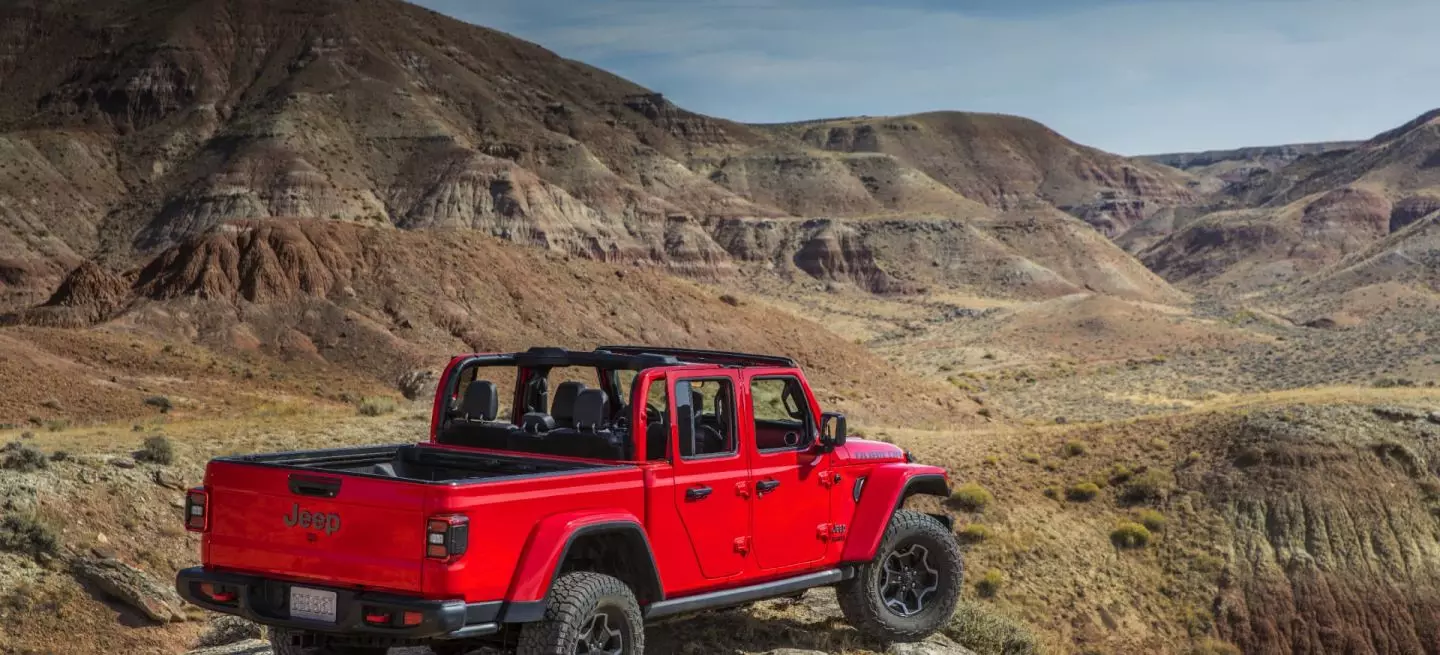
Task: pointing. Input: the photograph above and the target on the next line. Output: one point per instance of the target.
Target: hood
(867, 451)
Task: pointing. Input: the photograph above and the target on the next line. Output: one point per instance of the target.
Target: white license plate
(312, 604)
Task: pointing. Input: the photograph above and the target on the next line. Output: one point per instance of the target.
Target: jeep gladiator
(683, 481)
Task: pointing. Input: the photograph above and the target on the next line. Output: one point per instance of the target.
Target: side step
(743, 595)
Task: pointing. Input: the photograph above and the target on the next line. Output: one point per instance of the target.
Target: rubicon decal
(319, 521)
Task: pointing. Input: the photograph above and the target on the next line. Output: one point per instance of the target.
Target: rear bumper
(265, 601)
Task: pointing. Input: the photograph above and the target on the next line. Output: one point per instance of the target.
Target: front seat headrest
(482, 401)
(563, 407)
(590, 409)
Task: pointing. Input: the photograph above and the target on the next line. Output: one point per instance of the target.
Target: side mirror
(832, 430)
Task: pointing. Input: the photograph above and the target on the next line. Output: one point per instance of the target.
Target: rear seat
(476, 427)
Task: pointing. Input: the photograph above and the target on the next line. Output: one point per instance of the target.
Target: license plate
(312, 604)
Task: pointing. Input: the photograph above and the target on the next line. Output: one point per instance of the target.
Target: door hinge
(831, 531)
(742, 545)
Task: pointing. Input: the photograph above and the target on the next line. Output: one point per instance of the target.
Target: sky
(1128, 76)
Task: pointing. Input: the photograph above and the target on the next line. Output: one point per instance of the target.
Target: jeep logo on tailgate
(327, 523)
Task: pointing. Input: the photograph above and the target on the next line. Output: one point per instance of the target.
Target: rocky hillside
(1337, 209)
(384, 303)
(128, 127)
(1009, 162)
(1238, 165)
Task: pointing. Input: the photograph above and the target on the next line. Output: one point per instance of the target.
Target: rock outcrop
(134, 588)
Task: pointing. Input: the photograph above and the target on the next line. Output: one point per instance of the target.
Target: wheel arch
(885, 491)
(562, 543)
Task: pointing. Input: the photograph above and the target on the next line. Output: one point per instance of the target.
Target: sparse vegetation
(1030, 458)
(974, 533)
(1074, 448)
(989, 584)
(161, 403)
(156, 449)
(1151, 485)
(16, 456)
(1120, 473)
(1083, 492)
(1130, 535)
(1153, 520)
(28, 536)
(984, 630)
(377, 406)
(1215, 647)
(971, 497)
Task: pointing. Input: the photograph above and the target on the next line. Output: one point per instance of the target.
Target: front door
(712, 473)
(792, 501)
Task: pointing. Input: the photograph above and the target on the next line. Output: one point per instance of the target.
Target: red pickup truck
(681, 481)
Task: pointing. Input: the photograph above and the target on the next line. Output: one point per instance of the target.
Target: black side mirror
(832, 430)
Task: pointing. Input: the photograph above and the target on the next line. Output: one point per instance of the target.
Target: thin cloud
(1131, 77)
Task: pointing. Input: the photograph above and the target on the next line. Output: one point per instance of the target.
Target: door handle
(766, 486)
(697, 493)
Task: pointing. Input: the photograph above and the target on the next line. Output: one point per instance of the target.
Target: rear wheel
(911, 587)
(587, 614)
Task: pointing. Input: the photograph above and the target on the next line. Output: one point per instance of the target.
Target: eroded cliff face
(1333, 530)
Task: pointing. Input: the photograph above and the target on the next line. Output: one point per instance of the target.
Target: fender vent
(859, 487)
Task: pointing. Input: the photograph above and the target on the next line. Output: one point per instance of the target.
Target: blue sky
(1129, 76)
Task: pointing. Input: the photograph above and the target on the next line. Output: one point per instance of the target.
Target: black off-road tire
(281, 643)
(577, 600)
(863, 599)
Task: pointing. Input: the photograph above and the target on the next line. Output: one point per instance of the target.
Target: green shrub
(1192, 458)
(1030, 458)
(1153, 484)
(1074, 448)
(1159, 444)
(974, 533)
(1120, 473)
(16, 456)
(1129, 534)
(378, 406)
(972, 497)
(161, 403)
(57, 425)
(1153, 520)
(992, 461)
(27, 536)
(982, 629)
(156, 450)
(1083, 492)
(989, 584)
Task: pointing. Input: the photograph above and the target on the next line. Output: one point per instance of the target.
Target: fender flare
(886, 488)
(547, 548)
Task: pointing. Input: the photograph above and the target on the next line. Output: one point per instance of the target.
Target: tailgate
(314, 525)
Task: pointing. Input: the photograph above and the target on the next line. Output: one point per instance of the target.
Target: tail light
(197, 510)
(218, 593)
(446, 536)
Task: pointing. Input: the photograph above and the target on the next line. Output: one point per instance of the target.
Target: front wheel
(587, 614)
(910, 589)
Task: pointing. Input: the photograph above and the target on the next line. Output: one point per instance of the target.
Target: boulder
(131, 586)
(418, 385)
(1435, 417)
(937, 644)
(247, 647)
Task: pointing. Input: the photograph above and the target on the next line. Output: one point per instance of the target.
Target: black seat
(591, 410)
(476, 426)
(591, 437)
(563, 407)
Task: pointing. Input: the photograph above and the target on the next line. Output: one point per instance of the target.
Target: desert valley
(1190, 401)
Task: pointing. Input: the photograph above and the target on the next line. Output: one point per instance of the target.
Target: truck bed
(417, 463)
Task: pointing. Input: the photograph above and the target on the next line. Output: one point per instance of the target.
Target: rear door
(332, 529)
(792, 498)
(711, 471)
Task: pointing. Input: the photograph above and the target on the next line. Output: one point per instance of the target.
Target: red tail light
(197, 510)
(217, 593)
(446, 536)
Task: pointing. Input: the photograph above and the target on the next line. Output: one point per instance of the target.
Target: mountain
(1331, 209)
(1230, 166)
(129, 127)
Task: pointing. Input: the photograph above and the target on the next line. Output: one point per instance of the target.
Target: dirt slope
(385, 302)
(128, 127)
(1009, 162)
(1332, 209)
